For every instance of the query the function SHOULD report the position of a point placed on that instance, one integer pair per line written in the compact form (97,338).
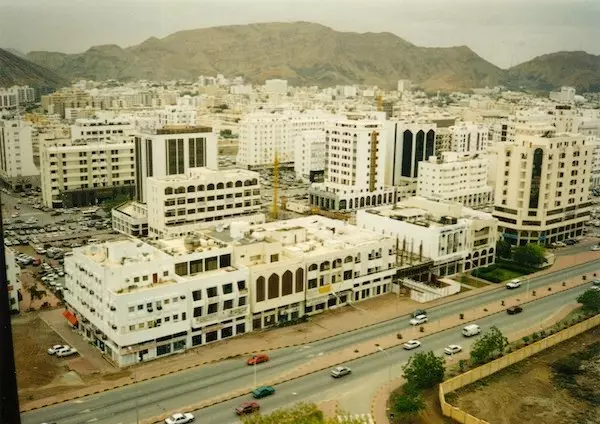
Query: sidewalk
(379,407)
(319,327)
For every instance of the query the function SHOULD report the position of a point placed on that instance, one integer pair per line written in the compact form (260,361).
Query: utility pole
(9,397)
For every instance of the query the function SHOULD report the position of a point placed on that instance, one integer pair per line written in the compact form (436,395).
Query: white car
(595,248)
(411,344)
(514,284)
(341,371)
(452,349)
(180,418)
(66,352)
(56,348)
(558,244)
(419,319)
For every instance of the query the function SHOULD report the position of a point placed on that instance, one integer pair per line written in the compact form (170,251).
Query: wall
(499,364)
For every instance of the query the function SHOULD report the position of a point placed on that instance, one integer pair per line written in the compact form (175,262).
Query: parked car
(258,359)
(452,349)
(570,242)
(180,418)
(596,282)
(263,391)
(419,319)
(411,344)
(56,348)
(341,371)
(595,247)
(66,352)
(247,408)
(513,310)
(558,244)
(513,284)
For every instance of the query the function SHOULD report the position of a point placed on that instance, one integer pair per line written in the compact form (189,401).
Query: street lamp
(137,412)
(379,348)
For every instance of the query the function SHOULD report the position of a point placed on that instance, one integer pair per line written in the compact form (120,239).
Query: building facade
(542,187)
(309,156)
(13,282)
(17,169)
(455,178)
(85,172)
(470,138)
(101,129)
(15,96)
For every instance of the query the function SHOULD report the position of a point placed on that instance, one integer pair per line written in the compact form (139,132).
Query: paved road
(163,394)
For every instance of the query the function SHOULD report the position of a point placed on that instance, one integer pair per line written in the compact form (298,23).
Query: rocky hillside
(15,70)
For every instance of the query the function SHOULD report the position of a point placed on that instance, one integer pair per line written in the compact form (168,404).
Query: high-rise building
(309,156)
(101,129)
(542,186)
(15,96)
(355,164)
(455,178)
(468,137)
(17,169)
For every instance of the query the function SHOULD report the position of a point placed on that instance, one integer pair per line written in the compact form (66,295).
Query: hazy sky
(505,32)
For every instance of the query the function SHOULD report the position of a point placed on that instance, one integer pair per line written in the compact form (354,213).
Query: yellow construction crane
(275,212)
(379,102)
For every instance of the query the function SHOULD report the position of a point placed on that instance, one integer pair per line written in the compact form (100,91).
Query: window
(227,288)
(213,308)
(275,257)
(211,292)
(242,301)
(163,349)
(131,308)
(286,283)
(312,283)
(211,263)
(197,295)
(132,328)
(228,304)
(184,315)
(179,345)
(241,285)
(260,289)
(198,311)
(225,261)
(273,286)
(140,307)
(176,317)
(196,266)
(181,268)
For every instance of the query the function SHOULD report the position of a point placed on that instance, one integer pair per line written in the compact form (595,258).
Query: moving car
(56,348)
(452,349)
(471,330)
(558,244)
(180,418)
(596,282)
(419,319)
(513,284)
(263,391)
(341,371)
(411,344)
(418,312)
(66,352)
(258,359)
(247,408)
(514,310)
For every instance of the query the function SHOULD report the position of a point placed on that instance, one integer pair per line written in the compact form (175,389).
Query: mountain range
(312,54)
(15,70)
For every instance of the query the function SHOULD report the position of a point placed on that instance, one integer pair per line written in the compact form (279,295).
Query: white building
(180,204)
(309,265)
(542,186)
(138,302)
(468,137)
(262,135)
(15,96)
(455,178)
(276,86)
(85,172)
(101,129)
(566,95)
(14,284)
(404,85)
(177,115)
(309,156)
(355,165)
(456,238)
(17,169)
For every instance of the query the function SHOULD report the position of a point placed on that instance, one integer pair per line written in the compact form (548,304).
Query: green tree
(301,413)
(34,293)
(530,255)
(503,249)
(408,406)
(424,370)
(492,343)
(109,204)
(226,133)
(590,299)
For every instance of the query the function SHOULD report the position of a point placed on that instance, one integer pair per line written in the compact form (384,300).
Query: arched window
(229,184)
(254,181)
(325,266)
(313,267)
(273,290)
(299,280)
(238,183)
(287,283)
(220,186)
(201,187)
(168,190)
(348,259)
(191,189)
(337,263)
(210,187)
(180,190)
(247,183)
(260,289)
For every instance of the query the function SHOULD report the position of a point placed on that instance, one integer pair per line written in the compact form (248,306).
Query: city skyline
(505,33)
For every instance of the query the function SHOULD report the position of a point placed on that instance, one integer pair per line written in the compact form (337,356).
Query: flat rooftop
(116,254)
(198,241)
(209,174)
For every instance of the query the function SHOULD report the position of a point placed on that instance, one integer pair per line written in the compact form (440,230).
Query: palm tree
(34,293)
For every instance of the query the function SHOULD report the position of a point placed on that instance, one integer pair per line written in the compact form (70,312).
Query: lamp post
(379,348)
(137,412)
(9,398)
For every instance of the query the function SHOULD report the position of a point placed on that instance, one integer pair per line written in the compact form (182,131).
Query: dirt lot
(532,391)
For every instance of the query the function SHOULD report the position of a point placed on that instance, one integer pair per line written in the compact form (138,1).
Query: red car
(258,359)
(247,408)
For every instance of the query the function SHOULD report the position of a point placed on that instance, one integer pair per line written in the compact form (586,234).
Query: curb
(467,295)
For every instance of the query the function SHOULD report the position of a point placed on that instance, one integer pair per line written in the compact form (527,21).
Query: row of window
(211,186)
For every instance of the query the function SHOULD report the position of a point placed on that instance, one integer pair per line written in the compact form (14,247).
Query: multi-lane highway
(154,397)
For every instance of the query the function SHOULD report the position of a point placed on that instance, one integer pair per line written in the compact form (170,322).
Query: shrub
(569,365)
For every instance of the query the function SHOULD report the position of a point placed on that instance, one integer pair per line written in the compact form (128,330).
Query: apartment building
(309,265)
(56,103)
(355,165)
(131,218)
(17,169)
(455,178)
(137,302)
(468,137)
(85,172)
(14,284)
(263,134)
(454,237)
(15,96)
(180,204)
(101,129)
(542,186)
(276,86)
(309,156)
(501,126)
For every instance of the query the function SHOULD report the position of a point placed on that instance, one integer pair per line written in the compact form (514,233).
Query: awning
(70,316)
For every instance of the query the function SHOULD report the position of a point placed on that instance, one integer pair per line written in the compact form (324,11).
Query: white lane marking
(294,393)
(92,420)
(85,411)
(78,401)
